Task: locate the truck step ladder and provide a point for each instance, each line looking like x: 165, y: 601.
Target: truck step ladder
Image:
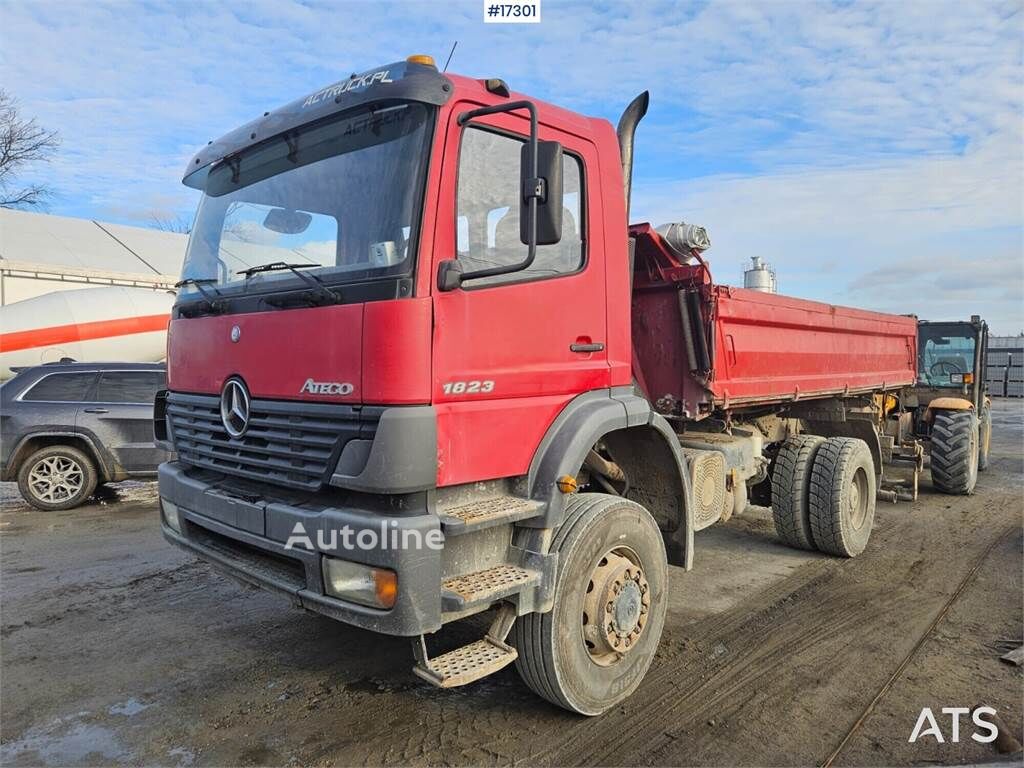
x: 486, y: 586
x: 477, y: 515
x: 470, y: 662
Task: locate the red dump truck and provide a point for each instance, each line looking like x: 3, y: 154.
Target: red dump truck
x: 413, y: 317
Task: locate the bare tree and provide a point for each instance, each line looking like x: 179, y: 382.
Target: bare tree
x: 22, y: 142
x: 177, y: 224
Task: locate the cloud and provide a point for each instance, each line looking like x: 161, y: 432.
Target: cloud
x: 840, y: 140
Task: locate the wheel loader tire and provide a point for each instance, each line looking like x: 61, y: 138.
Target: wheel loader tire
x: 955, y: 452
x: 791, y: 484
x: 592, y: 649
x: 842, y: 498
x: 984, y: 438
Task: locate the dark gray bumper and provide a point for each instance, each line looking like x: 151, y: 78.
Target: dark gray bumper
x: 245, y: 534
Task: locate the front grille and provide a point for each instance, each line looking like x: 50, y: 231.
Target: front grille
x: 291, y: 444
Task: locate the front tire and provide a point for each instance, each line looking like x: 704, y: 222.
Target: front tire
x: 842, y: 499
x: 955, y: 452
x: 57, y: 477
x: 596, y: 644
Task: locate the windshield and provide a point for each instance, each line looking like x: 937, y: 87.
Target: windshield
x: 945, y: 355
x: 339, y: 198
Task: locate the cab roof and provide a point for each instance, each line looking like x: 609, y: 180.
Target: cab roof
x: 402, y: 80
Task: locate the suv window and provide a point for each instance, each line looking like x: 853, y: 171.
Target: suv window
x: 487, y: 224
x: 129, y: 386
x: 60, y: 388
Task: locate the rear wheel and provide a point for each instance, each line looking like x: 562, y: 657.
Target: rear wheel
x: 596, y: 644
x: 791, y: 483
x: 842, y: 496
x: 955, y: 451
x: 57, y: 477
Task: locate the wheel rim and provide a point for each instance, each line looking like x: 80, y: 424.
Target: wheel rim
x: 857, y: 499
x: 616, y: 606
x: 55, y: 479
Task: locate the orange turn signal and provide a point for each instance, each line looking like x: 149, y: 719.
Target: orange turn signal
x: 385, y: 584
x: 567, y: 484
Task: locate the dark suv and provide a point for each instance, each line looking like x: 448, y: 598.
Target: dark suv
x: 65, y: 428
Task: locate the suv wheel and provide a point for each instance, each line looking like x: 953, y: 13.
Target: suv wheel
x: 57, y: 477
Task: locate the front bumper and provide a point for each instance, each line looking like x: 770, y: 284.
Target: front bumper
x: 244, y: 532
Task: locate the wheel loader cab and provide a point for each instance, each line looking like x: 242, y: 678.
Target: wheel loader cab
x: 951, y: 360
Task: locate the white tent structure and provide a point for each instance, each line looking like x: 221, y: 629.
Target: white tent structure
x: 40, y: 253
x: 83, y: 290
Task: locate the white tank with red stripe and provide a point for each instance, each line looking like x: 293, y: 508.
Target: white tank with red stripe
x: 109, y: 324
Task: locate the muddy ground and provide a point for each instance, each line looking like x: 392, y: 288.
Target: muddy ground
x: 117, y: 648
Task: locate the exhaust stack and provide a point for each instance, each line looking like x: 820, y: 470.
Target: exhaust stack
x: 627, y: 128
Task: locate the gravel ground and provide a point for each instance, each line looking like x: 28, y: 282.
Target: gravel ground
x: 118, y: 649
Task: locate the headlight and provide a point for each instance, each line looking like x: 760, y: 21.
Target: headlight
x: 170, y: 512
x: 363, y: 584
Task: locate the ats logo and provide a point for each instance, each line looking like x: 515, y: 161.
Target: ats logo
x: 327, y: 388
x: 983, y: 718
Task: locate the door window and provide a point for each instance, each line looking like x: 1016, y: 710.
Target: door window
x: 487, y: 231
x: 61, y: 388
x: 129, y: 386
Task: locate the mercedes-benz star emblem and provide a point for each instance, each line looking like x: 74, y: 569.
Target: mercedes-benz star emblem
x: 236, y: 333
x: 234, y: 407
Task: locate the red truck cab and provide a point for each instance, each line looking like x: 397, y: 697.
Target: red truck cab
x: 409, y: 312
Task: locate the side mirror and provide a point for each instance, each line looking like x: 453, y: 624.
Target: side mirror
x: 540, y: 206
x: 449, y: 275
x: 547, y: 188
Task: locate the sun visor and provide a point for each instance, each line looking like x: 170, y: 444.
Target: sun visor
x: 401, y: 81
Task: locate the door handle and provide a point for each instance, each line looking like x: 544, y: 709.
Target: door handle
x: 587, y: 348
x: 96, y: 410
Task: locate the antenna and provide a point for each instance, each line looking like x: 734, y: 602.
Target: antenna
x: 449, y: 60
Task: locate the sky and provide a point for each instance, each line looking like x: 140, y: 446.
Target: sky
x: 873, y: 152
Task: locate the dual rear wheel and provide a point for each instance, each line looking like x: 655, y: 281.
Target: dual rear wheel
x: 823, y: 494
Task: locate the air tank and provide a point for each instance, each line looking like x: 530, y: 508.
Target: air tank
x: 760, y: 276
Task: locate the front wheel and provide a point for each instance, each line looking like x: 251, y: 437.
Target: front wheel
x: 596, y: 644
x: 57, y: 477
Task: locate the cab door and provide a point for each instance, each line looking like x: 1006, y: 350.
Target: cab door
x: 511, y: 350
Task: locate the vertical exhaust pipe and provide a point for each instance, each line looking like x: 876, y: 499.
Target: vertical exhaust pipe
x: 627, y: 128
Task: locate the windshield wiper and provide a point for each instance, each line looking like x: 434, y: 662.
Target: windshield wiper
x: 318, y: 285
x: 199, y: 282
x: 212, y: 296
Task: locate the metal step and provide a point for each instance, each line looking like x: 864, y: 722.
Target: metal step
x: 466, y: 664
x: 477, y: 515
x: 484, y: 587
